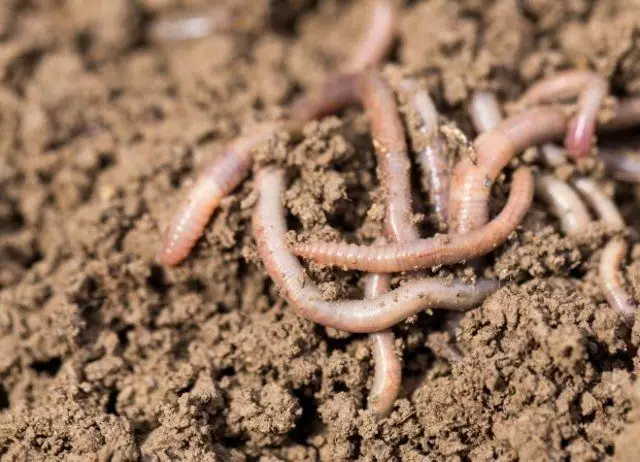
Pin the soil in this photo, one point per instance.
(105, 355)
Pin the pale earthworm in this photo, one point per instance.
(624, 166)
(484, 110)
(610, 262)
(189, 25)
(358, 316)
(564, 203)
(599, 202)
(387, 377)
(217, 180)
(591, 89)
(430, 148)
(472, 180)
(230, 168)
(432, 252)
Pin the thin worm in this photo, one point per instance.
(387, 377)
(439, 250)
(190, 25)
(600, 202)
(613, 290)
(358, 316)
(430, 147)
(218, 179)
(378, 40)
(484, 110)
(624, 166)
(564, 203)
(228, 170)
(591, 89)
(471, 182)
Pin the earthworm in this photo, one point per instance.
(564, 203)
(484, 110)
(218, 179)
(591, 89)
(600, 202)
(435, 251)
(358, 316)
(626, 114)
(391, 152)
(387, 377)
(614, 292)
(430, 147)
(471, 181)
(228, 170)
(378, 40)
(623, 166)
(189, 25)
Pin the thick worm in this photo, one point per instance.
(591, 89)
(361, 316)
(190, 25)
(610, 262)
(387, 378)
(391, 152)
(430, 147)
(439, 250)
(624, 166)
(564, 203)
(221, 177)
(228, 170)
(471, 182)
(379, 38)
(484, 110)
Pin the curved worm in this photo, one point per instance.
(564, 203)
(439, 250)
(378, 40)
(484, 110)
(600, 202)
(430, 148)
(471, 181)
(228, 170)
(218, 179)
(591, 89)
(387, 378)
(189, 25)
(360, 316)
(624, 166)
(613, 290)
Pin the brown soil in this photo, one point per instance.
(104, 355)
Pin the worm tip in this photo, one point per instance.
(579, 137)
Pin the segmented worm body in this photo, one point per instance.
(431, 150)
(363, 316)
(484, 110)
(387, 378)
(600, 202)
(435, 251)
(228, 170)
(591, 90)
(221, 177)
(471, 182)
(564, 203)
(615, 293)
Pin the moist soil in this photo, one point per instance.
(105, 355)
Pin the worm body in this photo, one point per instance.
(484, 110)
(617, 297)
(387, 378)
(439, 250)
(591, 90)
(623, 166)
(564, 203)
(190, 25)
(626, 115)
(471, 182)
(363, 316)
(430, 148)
(600, 202)
(218, 179)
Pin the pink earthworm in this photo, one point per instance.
(624, 166)
(387, 378)
(358, 316)
(189, 25)
(472, 180)
(228, 170)
(564, 203)
(484, 110)
(610, 262)
(435, 251)
(430, 148)
(591, 89)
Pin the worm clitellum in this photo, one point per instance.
(230, 168)
(591, 89)
(358, 316)
(439, 250)
(430, 149)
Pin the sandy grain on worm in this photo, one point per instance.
(363, 316)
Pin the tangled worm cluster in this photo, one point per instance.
(459, 196)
